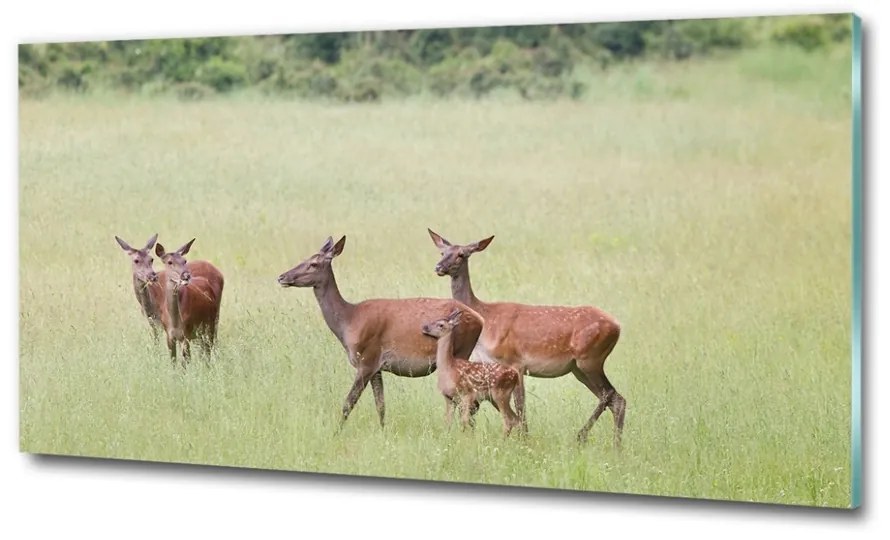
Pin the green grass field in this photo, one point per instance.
(705, 205)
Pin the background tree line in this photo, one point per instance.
(537, 61)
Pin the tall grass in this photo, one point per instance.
(706, 206)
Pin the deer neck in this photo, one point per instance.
(143, 295)
(461, 289)
(334, 308)
(445, 355)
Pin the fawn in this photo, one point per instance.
(470, 382)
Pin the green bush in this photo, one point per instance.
(429, 47)
(73, 76)
(363, 75)
(325, 47)
(682, 39)
(192, 91)
(222, 75)
(304, 80)
(623, 40)
(808, 33)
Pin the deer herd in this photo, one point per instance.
(479, 350)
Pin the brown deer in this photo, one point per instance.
(542, 341)
(470, 382)
(149, 292)
(193, 294)
(380, 334)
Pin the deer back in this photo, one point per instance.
(542, 332)
(393, 327)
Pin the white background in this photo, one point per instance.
(81, 497)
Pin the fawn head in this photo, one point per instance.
(142, 260)
(174, 263)
(442, 327)
(316, 269)
(455, 257)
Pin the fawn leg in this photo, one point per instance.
(449, 411)
(377, 387)
(511, 419)
(467, 403)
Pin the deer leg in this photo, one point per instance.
(186, 351)
(519, 401)
(599, 384)
(171, 345)
(377, 387)
(207, 345)
(474, 408)
(617, 405)
(362, 379)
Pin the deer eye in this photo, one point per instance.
(136, 260)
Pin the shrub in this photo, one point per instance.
(222, 75)
(192, 91)
(682, 39)
(429, 47)
(808, 33)
(363, 75)
(621, 39)
(73, 76)
(325, 47)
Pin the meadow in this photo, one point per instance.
(706, 205)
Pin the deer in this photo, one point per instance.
(379, 335)
(149, 292)
(470, 382)
(192, 295)
(540, 341)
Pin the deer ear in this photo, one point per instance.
(481, 244)
(159, 250)
(338, 247)
(125, 246)
(185, 249)
(327, 246)
(440, 242)
(454, 318)
(151, 242)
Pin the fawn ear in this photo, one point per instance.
(159, 250)
(440, 242)
(125, 246)
(481, 244)
(151, 242)
(454, 318)
(185, 249)
(338, 247)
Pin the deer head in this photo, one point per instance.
(315, 270)
(442, 327)
(174, 263)
(142, 260)
(454, 257)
